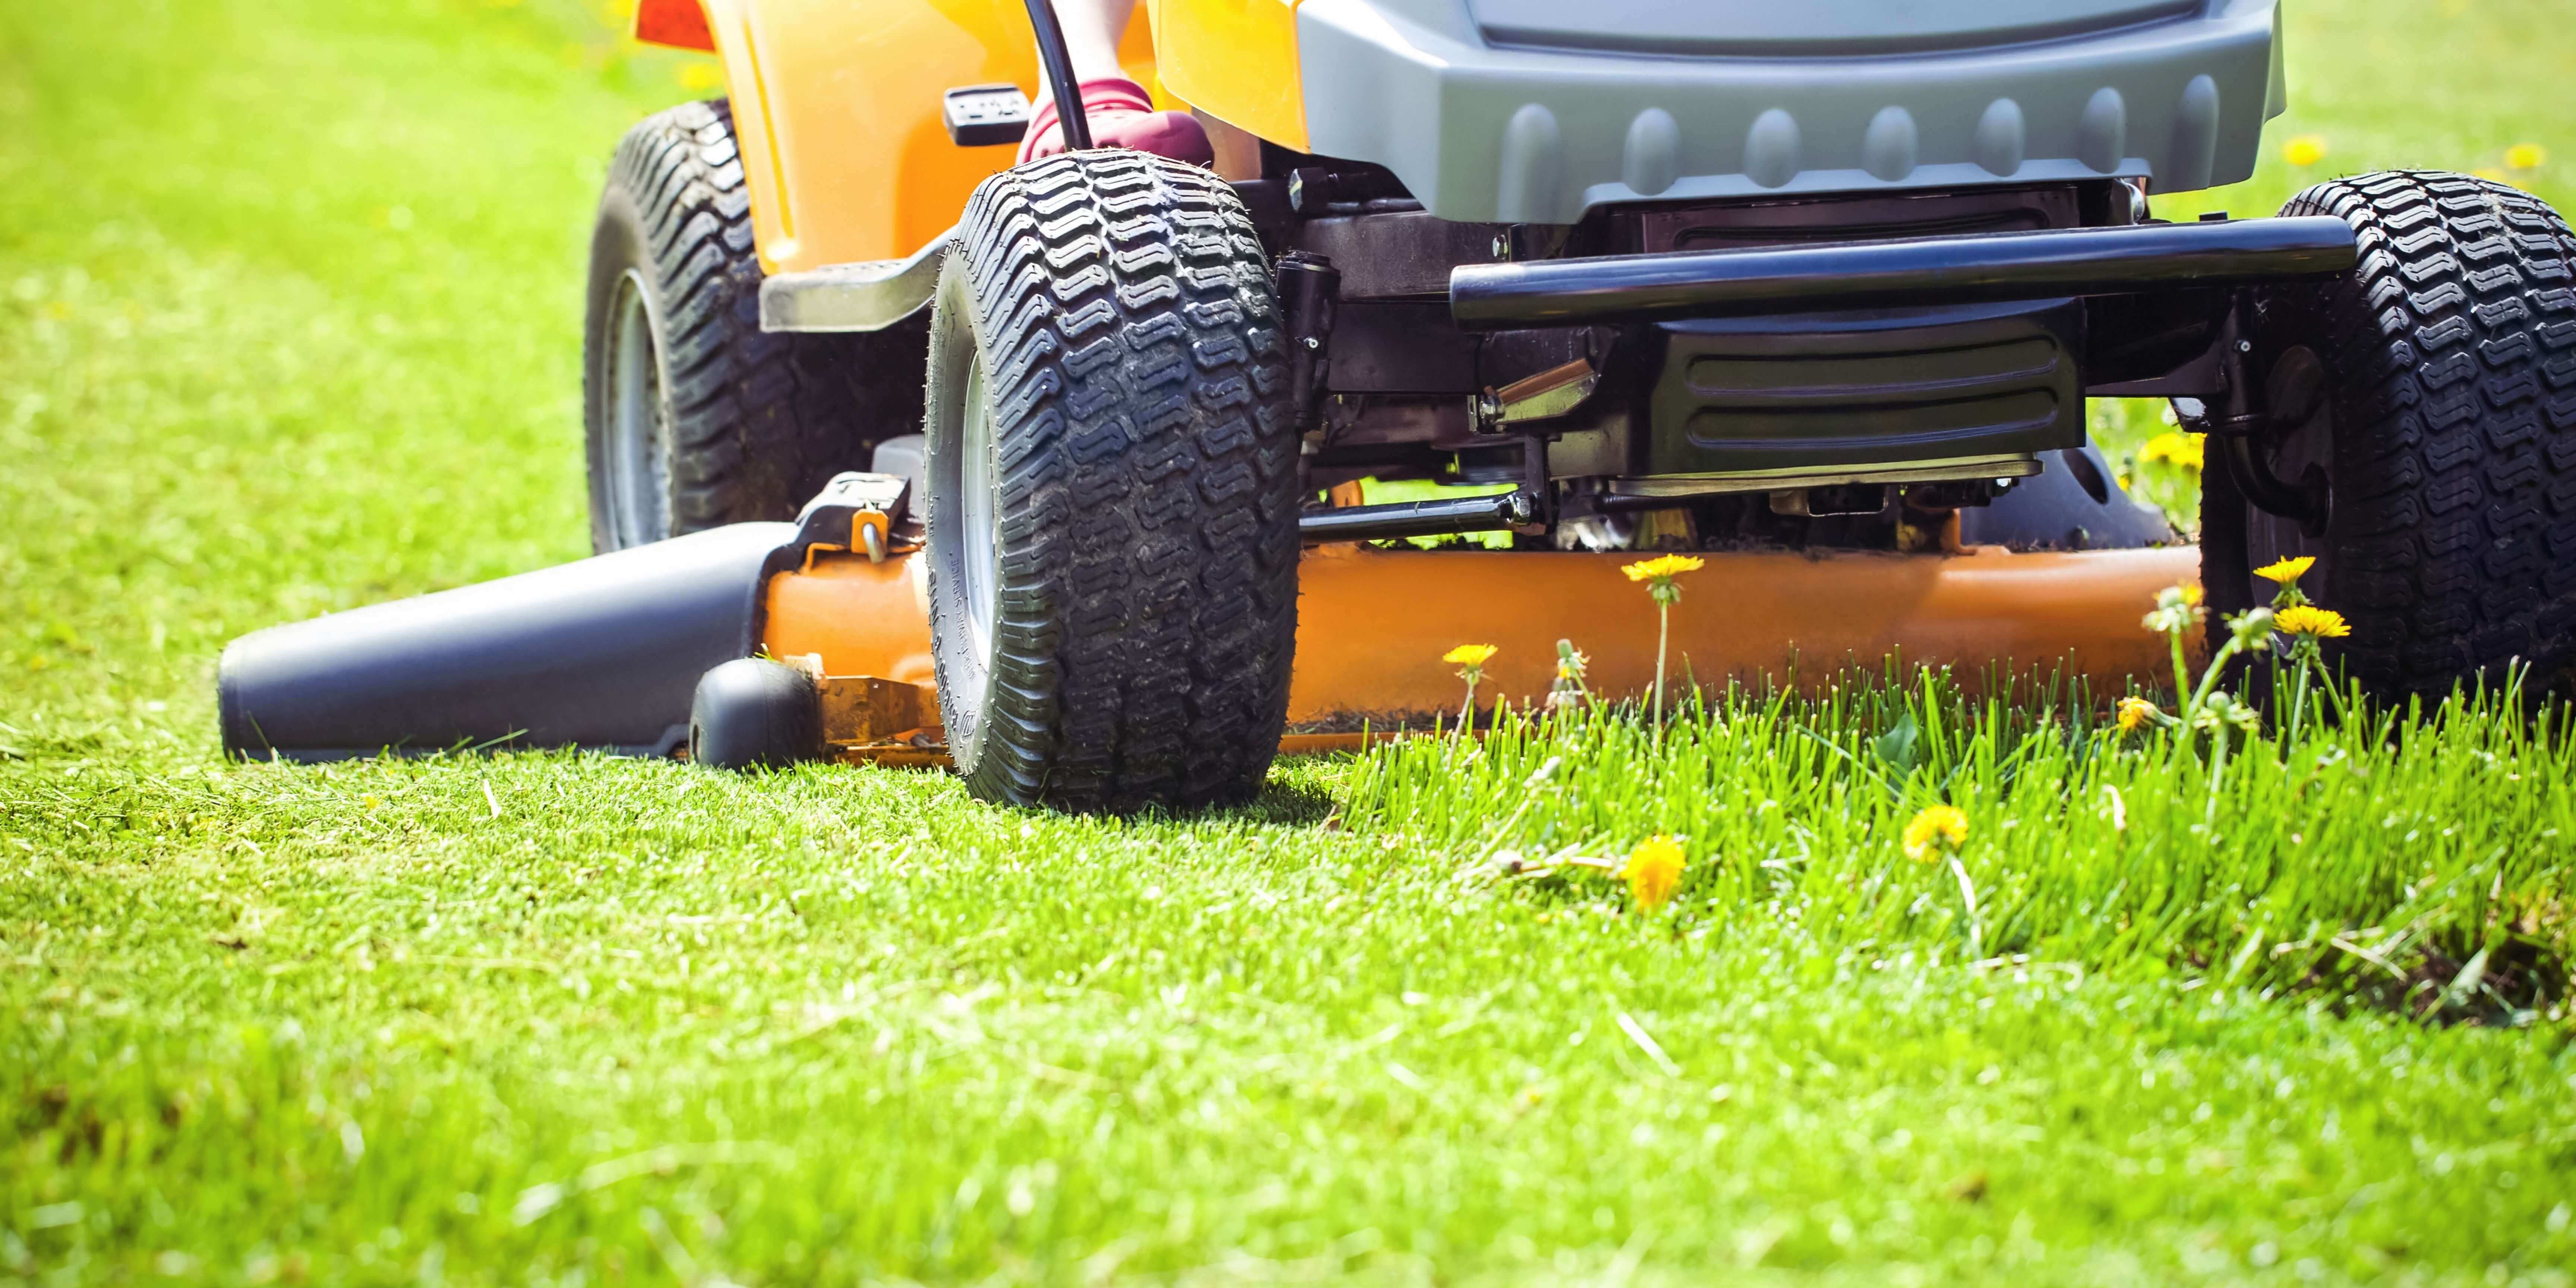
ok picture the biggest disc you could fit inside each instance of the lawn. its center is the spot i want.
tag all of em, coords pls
(289, 323)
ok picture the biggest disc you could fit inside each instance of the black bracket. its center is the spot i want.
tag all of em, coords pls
(983, 116)
(1310, 290)
(857, 512)
(1539, 498)
(2237, 427)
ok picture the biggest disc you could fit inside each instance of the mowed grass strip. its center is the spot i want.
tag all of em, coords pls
(289, 323)
(841, 1026)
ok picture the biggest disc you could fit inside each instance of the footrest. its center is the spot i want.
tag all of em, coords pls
(867, 296)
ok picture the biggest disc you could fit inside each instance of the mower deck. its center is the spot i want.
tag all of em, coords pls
(1372, 625)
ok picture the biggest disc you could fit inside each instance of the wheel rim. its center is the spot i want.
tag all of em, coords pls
(979, 533)
(638, 422)
(2296, 389)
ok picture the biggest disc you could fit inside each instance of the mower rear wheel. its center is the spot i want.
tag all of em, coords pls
(1112, 489)
(2433, 391)
(694, 416)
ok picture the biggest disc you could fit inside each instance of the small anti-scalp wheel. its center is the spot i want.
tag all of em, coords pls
(752, 713)
(2432, 392)
(1112, 489)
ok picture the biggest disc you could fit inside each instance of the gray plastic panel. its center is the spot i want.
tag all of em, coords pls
(1756, 28)
(1488, 134)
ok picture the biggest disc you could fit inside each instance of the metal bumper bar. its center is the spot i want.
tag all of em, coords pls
(1418, 518)
(1968, 269)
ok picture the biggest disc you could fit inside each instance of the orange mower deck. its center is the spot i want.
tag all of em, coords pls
(1372, 624)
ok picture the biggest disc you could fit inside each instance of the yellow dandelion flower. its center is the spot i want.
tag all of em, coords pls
(2525, 156)
(2191, 593)
(1654, 872)
(2135, 712)
(2185, 450)
(1663, 567)
(1943, 824)
(2305, 150)
(1470, 655)
(2311, 622)
(2283, 572)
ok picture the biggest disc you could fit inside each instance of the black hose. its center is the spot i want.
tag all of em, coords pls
(1058, 63)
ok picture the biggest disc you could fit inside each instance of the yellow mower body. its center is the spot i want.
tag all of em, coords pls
(819, 83)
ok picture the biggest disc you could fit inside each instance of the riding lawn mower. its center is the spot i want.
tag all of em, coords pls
(1054, 471)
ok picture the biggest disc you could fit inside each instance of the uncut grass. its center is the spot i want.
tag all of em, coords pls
(2419, 858)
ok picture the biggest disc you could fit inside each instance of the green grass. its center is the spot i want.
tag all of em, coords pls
(2345, 864)
(288, 323)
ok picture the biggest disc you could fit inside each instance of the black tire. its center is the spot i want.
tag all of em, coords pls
(1119, 499)
(694, 417)
(2434, 387)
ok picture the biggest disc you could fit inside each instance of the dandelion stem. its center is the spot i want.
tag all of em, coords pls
(2182, 677)
(2208, 679)
(1663, 632)
(2298, 696)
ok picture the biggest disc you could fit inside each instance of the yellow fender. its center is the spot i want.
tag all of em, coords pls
(836, 107)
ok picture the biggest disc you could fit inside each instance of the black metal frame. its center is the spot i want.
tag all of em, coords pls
(1398, 320)
(1446, 517)
(1387, 305)
(2240, 425)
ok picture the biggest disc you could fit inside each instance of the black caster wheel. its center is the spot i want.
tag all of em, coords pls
(752, 713)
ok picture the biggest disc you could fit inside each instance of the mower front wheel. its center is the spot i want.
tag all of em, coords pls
(1111, 489)
(2431, 392)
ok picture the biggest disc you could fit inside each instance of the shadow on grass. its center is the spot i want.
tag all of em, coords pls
(1286, 804)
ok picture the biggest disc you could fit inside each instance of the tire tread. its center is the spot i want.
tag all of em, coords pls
(759, 420)
(1148, 476)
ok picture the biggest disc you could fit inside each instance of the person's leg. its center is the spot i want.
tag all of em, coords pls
(1120, 113)
(1091, 32)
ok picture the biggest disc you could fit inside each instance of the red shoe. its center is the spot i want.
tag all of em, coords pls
(1122, 115)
